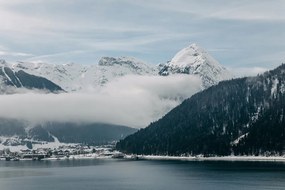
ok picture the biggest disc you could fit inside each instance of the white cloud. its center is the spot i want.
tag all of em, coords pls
(132, 100)
(20, 54)
(245, 10)
(221, 9)
(248, 71)
(4, 51)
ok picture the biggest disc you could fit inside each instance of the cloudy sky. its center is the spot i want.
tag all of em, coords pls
(239, 34)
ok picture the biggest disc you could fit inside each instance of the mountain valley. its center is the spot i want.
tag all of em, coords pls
(76, 78)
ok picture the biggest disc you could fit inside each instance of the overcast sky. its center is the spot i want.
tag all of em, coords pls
(239, 34)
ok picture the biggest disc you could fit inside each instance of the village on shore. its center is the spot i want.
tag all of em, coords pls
(73, 151)
(79, 151)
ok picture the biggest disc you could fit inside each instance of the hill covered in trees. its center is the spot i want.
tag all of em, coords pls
(241, 116)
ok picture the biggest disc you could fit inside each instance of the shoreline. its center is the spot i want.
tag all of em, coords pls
(166, 158)
(216, 158)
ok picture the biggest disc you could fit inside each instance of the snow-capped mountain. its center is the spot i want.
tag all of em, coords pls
(76, 77)
(191, 60)
(11, 81)
(195, 60)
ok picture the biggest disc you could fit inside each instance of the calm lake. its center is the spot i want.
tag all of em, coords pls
(140, 175)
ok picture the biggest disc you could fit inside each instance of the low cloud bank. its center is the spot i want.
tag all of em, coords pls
(133, 101)
(250, 71)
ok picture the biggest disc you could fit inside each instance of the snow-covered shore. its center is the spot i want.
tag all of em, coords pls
(177, 158)
(217, 158)
(185, 158)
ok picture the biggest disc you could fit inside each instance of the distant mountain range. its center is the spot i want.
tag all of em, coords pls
(67, 78)
(71, 77)
(244, 116)
(75, 77)
(20, 133)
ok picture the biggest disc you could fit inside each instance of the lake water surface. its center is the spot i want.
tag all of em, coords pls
(140, 175)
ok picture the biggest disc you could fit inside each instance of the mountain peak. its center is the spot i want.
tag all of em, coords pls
(110, 61)
(192, 55)
(194, 60)
(194, 47)
(106, 61)
(129, 63)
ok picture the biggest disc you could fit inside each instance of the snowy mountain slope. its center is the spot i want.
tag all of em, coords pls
(76, 77)
(191, 60)
(11, 80)
(195, 60)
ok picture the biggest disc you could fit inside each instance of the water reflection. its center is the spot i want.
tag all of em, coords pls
(140, 175)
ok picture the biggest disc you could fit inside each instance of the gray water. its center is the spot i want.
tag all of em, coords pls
(140, 175)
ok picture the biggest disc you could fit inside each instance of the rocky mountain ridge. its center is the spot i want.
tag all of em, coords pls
(191, 60)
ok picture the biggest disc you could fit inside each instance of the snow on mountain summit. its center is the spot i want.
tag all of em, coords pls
(133, 63)
(188, 56)
(195, 60)
(77, 77)
(191, 60)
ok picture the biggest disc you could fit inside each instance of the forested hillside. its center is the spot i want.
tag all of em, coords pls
(241, 116)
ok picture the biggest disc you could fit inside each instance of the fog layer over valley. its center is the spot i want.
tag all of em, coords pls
(133, 101)
(98, 103)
